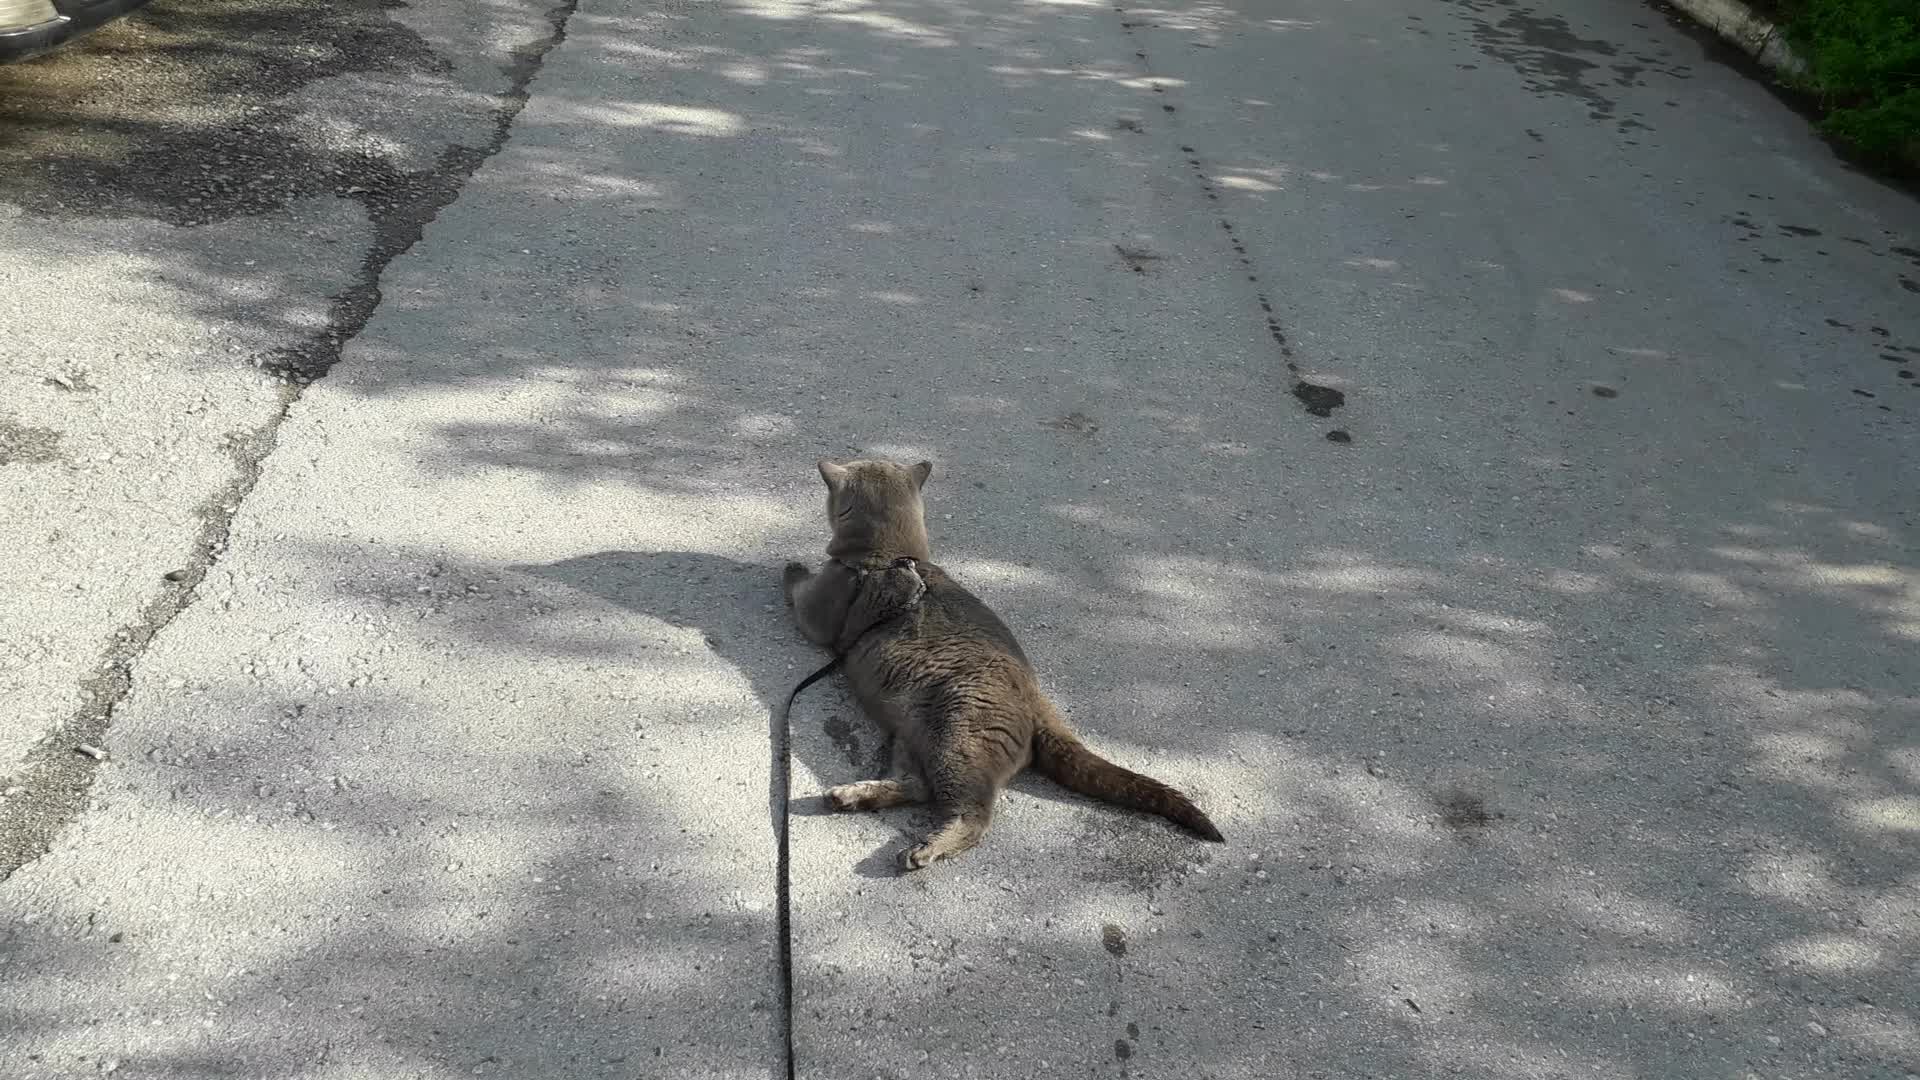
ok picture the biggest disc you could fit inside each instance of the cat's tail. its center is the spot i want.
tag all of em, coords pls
(1059, 754)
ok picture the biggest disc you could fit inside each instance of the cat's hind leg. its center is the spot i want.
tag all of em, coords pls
(960, 829)
(963, 804)
(875, 795)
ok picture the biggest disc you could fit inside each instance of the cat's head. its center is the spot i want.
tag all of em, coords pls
(874, 507)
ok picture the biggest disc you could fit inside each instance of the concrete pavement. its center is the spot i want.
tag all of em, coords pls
(190, 229)
(1561, 720)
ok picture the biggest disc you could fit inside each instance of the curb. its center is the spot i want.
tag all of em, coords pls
(1740, 27)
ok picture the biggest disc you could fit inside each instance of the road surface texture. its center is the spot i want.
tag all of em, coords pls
(1469, 446)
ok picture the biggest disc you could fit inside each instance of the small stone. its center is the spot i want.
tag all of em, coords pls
(1816, 1029)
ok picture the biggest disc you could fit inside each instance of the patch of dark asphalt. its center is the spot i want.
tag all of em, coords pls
(73, 381)
(399, 224)
(1137, 258)
(1552, 59)
(1319, 400)
(55, 781)
(1077, 422)
(845, 739)
(1463, 809)
(27, 445)
(184, 111)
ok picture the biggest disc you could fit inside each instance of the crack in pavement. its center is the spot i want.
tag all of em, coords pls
(1318, 400)
(54, 784)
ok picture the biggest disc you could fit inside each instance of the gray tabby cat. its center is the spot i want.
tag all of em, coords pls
(939, 672)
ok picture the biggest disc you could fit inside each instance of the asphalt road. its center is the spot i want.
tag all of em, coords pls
(1467, 445)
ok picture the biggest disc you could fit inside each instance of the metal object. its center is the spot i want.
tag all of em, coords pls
(29, 28)
(21, 16)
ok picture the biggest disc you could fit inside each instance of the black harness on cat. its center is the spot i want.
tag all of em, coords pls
(860, 573)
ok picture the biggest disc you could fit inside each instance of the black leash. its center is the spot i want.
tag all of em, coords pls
(825, 670)
(830, 666)
(783, 780)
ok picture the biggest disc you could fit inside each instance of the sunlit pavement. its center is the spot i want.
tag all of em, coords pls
(1555, 690)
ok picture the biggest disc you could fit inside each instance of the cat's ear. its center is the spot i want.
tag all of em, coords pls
(834, 475)
(921, 472)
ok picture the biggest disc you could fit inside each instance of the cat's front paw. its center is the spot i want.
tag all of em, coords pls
(794, 574)
(918, 858)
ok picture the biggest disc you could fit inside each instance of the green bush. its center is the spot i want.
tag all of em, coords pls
(1865, 61)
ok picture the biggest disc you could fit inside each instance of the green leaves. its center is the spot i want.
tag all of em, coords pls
(1865, 61)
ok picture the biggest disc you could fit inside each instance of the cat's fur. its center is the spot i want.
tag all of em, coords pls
(944, 676)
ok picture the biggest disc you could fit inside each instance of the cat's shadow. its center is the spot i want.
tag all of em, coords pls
(738, 608)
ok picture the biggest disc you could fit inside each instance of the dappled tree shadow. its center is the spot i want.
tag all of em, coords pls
(427, 919)
(1543, 748)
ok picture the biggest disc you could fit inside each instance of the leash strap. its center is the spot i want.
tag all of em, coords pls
(830, 666)
(825, 670)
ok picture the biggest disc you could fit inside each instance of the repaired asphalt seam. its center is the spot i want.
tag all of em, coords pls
(53, 785)
(1212, 192)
